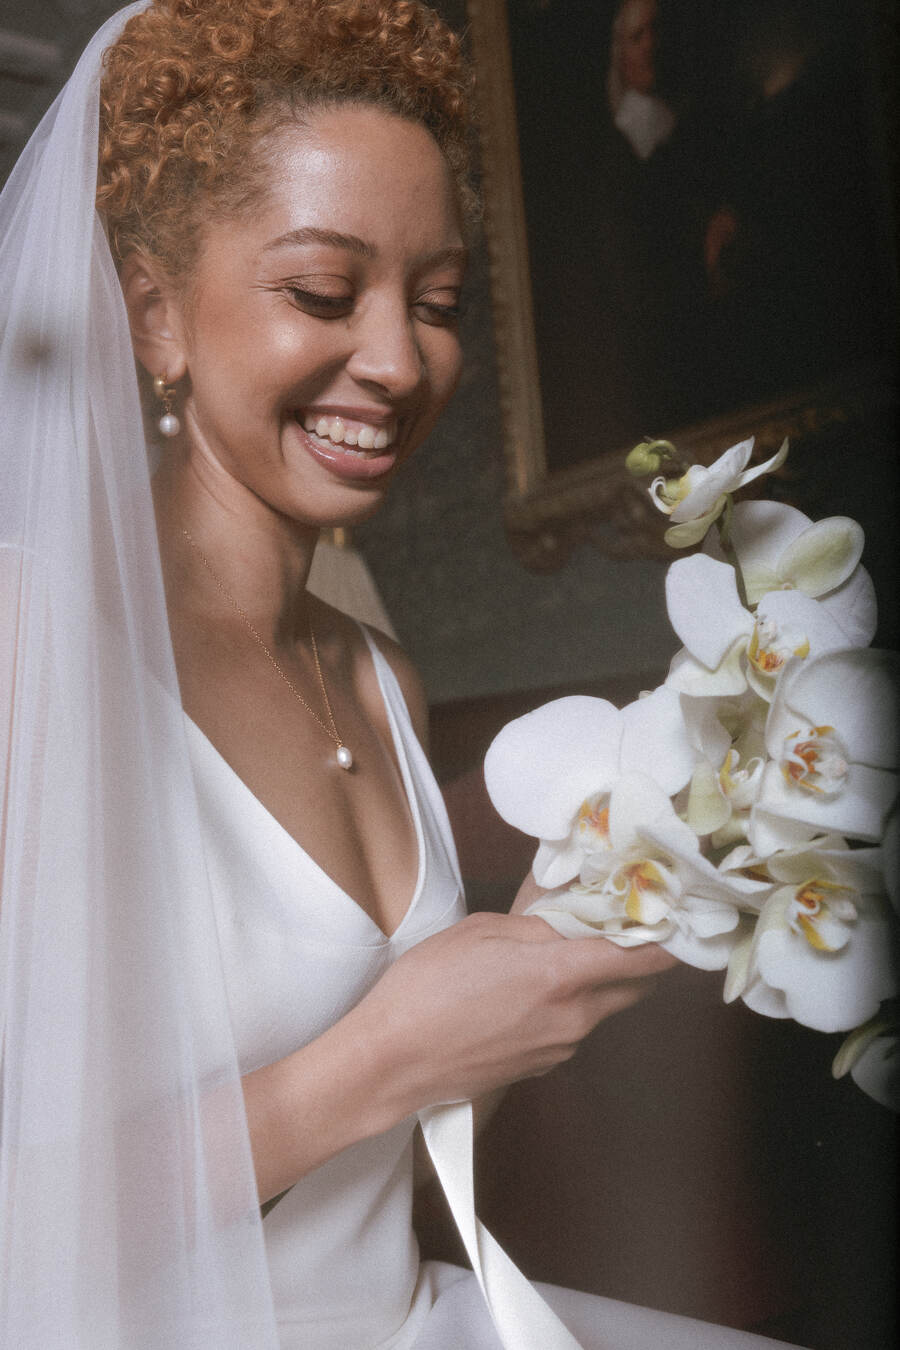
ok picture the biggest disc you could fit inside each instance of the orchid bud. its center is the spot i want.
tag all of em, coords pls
(648, 457)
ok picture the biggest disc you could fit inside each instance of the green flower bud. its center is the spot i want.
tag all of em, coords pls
(648, 457)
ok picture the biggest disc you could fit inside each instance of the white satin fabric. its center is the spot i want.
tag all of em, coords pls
(299, 953)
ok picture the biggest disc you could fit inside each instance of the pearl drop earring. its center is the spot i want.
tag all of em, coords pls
(168, 424)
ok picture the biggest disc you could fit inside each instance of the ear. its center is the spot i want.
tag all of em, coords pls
(156, 317)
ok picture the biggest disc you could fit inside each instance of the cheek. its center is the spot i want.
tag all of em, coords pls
(250, 363)
(446, 367)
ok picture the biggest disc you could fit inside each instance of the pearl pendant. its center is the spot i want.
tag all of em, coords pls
(169, 424)
(344, 757)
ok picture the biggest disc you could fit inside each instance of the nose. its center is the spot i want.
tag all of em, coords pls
(386, 355)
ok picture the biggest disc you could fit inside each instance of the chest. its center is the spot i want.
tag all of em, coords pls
(297, 950)
(358, 826)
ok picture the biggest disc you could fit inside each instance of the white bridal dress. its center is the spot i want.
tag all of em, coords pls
(298, 953)
(159, 932)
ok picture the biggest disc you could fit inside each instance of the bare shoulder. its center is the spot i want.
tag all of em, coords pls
(336, 623)
(409, 680)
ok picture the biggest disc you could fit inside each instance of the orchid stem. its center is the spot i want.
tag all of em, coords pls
(723, 525)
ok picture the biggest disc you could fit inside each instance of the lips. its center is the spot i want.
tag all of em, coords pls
(349, 431)
(350, 447)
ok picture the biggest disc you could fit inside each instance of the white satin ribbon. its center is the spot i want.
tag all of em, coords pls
(522, 1318)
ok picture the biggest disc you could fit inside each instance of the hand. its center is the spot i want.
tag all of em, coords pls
(491, 1000)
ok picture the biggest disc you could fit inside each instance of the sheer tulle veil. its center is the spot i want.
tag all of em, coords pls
(128, 1211)
(128, 1206)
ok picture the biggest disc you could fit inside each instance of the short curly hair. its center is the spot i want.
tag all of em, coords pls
(191, 85)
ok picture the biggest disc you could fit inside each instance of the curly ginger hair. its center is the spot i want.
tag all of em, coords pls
(192, 87)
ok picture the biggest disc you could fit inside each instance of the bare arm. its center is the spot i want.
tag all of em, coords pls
(485, 1106)
(491, 1000)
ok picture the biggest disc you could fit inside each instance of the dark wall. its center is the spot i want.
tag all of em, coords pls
(473, 618)
(476, 621)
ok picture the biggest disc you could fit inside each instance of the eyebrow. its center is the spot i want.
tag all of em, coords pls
(311, 234)
(447, 256)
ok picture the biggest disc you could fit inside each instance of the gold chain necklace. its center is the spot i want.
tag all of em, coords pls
(342, 754)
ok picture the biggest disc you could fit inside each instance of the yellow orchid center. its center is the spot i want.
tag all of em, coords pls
(640, 882)
(666, 493)
(814, 761)
(676, 489)
(818, 909)
(769, 649)
(738, 784)
(726, 781)
(593, 820)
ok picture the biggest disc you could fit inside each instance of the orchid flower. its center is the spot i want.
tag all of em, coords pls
(871, 1054)
(775, 735)
(778, 548)
(699, 496)
(832, 740)
(550, 772)
(821, 950)
(877, 1071)
(727, 648)
(890, 848)
(649, 882)
(729, 737)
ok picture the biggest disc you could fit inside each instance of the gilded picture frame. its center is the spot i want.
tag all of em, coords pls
(550, 504)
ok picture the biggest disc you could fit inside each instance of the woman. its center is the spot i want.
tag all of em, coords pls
(240, 923)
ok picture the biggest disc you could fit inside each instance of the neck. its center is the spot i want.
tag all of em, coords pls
(260, 557)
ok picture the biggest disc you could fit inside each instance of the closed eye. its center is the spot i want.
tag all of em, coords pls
(319, 304)
(442, 309)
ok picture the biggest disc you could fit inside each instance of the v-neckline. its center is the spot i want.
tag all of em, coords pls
(408, 788)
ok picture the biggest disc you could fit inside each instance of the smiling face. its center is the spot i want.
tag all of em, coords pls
(319, 331)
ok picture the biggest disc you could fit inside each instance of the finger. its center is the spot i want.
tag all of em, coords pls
(517, 927)
(607, 960)
(531, 928)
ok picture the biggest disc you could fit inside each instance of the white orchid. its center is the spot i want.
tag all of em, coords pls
(649, 882)
(778, 548)
(729, 738)
(697, 498)
(871, 1054)
(877, 1071)
(832, 740)
(775, 735)
(821, 950)
(727, 648)
(890, 849)
(549, 773)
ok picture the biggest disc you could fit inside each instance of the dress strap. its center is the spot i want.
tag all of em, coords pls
(521, 1317)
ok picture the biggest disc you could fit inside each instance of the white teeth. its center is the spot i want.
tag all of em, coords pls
(336, 430)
